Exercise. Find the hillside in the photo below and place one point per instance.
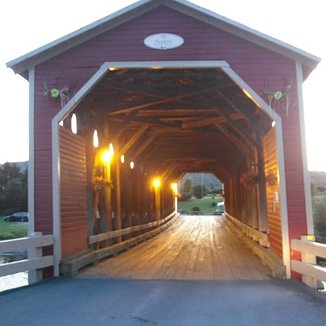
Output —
(319, 178)
(207, 179)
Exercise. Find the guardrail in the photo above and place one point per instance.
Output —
(71, 266)
(258, 243)
(252, 233)
(118, 233)
(312, 274)
(35, 262)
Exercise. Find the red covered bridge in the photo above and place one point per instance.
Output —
(159, 89)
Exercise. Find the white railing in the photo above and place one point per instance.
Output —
(312, 274)
(35, 262)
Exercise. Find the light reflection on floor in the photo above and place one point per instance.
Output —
(13, 281)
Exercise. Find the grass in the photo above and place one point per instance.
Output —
(12, 230)
(206, 205)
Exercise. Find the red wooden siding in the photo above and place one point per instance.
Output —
(254, 64)
(272, 188)
(73, 193)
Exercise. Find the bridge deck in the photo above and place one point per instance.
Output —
(193, 248)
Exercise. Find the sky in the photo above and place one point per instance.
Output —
(27, 25)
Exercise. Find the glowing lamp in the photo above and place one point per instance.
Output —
(156, 182)
(174, 187)
(122, 158)
(106, 156)
(132, 165)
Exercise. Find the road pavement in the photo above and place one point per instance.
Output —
(129, 302)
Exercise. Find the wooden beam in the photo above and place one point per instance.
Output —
(142, 147)
(207, 121)
(245, 115)
(242, 147)
(177, 113)
(240, 130)
(162, 101)
(134, 138)
(124, 126)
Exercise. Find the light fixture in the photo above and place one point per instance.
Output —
(108, 154)
(95, 139)
(74, 124)
(273, 123)
(156, 182)
(132, 165)
(174, 187)
(122, 158)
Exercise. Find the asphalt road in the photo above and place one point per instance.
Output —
(126, 302)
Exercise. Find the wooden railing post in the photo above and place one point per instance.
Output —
(309, 259)
(35, 275)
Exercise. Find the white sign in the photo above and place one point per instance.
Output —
(163, 41)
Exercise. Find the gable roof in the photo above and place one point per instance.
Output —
(50, 50)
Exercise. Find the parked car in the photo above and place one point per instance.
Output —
(219, 208)
(17, 217)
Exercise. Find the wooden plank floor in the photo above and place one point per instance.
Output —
(193, 248)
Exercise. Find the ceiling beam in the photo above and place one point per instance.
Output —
(163, 101)
(250, 119)
(241, 147)
(134, 139)
(134, 155)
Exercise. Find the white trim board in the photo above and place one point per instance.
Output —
(306, 175)
(68, 108)
(31, 188)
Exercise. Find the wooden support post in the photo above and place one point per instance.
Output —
(118, 200)
(108, 196)
(34, 276)
(309, 259)
(91, 211)
(129, 188)
(262, 197)
(107, 188)
(157, 203)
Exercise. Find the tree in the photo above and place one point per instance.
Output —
(199, 191)
(13, 188)
(319, 210)
(313, 188)
(186, 187)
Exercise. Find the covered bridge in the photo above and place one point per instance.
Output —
(156, 90)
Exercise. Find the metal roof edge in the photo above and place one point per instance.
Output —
(23, 63)
(18, 66)
(246, 32)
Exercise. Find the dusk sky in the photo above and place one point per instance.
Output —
(27, 25)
